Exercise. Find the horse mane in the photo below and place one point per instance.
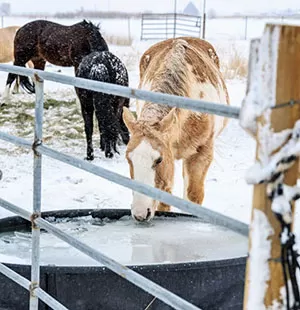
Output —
(97, 42)
(171, 76)
(90, 25)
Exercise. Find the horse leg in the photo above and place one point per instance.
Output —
(16, 89)
(6, 94)
(162, 206)
(16, 86)
(23, 80)
(108, 123)
(167, 187)
(87, 110)
(194, 172)
(124, 129)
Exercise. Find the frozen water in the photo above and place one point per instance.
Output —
(165, 240)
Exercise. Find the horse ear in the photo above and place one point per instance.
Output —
(128, 119)
(169, 120)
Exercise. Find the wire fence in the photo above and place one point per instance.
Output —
(39, 149)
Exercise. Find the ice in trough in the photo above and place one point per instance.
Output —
(165, 241)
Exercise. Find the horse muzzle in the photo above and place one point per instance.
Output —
(142, 216)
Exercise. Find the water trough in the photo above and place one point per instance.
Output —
(200, 262)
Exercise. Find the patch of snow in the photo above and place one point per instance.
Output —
(258, 260)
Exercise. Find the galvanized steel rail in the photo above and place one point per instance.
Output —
(37, 193)
(171, 100)
(39, 149)
(46, 298)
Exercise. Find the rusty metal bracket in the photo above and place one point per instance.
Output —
(38, 78)
(32, 287)
(36, 144)
(33, 217)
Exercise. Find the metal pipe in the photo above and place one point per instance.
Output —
(14, 209)
(47, 299)
(204, 19)
(171, 100)
(37, 192)
(50, 301)
(15, 140)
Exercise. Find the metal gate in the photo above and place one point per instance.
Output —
(165, 26)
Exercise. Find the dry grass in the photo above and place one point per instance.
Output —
(118, 40)
(234, 64)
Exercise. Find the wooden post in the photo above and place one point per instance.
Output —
(287, 82)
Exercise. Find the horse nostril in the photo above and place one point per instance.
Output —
(138, 218)
(148, 214)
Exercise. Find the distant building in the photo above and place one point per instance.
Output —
(191, 9)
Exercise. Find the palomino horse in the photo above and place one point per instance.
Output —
(186, 67)
(7, 36)
(104, 67)
(42, 40)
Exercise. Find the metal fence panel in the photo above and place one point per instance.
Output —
(39, 149)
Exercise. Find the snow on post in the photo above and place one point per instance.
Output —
(274, 72)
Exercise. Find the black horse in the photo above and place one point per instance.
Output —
(42, 40)
(104, 67)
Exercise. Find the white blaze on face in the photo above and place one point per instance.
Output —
(143, 157)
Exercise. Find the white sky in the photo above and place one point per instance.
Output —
(221, 6)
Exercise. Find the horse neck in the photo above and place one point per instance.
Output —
(153, 112)
(97, 43)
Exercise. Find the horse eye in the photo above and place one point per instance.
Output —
(158, 161)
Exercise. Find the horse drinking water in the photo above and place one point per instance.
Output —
(42, 40)
(186, 67)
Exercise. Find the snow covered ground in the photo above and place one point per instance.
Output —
(65, 187)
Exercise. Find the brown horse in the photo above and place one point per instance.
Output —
(186, 67)
(42, 40)
(7, 36)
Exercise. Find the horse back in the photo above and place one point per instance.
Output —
(186, 67)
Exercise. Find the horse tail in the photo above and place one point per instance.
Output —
(26, 85)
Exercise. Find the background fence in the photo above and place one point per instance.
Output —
(165, 26)
(222, 28)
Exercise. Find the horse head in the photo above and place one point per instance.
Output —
(150, 158)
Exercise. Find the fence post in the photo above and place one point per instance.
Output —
(246, 27)
(37, 186)
(282, 87)
(204, 26)
(175, 21)
(129, 28)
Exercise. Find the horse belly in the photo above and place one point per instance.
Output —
(56, 55)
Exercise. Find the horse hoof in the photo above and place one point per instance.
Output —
(89, 158)
(109, 155)
(125, 139)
